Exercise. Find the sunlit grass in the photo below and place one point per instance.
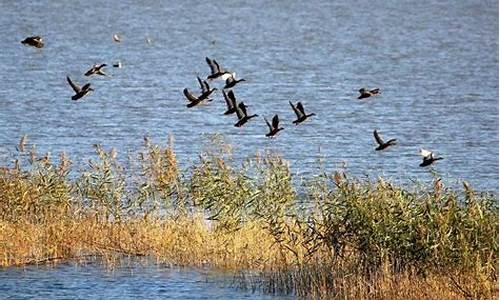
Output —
(332, 236)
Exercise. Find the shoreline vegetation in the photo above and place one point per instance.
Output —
(334, 236)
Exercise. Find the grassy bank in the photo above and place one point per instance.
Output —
(332, 236)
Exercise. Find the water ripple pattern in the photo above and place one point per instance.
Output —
(436, 63)
(133, 281)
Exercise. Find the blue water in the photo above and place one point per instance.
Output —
(436, 63)
(130, 281)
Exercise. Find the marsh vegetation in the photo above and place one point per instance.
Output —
(327, 235)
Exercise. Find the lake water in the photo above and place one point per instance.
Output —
(436, 63)
(130, 281)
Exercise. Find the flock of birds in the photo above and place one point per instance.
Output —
(233, 106)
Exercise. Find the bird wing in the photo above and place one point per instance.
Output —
(189, 95)
(243, 107)
(232, 99)
(297, 112)
(375, 91)
(301, 108)
(74, 86)
(241, 111)
(229, 104)
(379, 140)
(200, 82)
(425, 153)
(86, 87)
(268, 124)
(218, 68)
(213, 67)
(206, 86)
(276, 121)
(102, 66)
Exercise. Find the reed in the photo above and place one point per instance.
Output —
(331, 236)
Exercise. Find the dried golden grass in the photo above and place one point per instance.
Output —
(333, 237)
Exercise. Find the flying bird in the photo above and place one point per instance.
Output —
(195, 100)
(274, 126)
(206, 91)
(428, 158)
(381, 144)
(80, 92)
(299, 111)
(96, 70)
(243, 117)
(364, 93)
(230, 102)
(217, 71)
(34, 41)
(117, 38)
(232, 81)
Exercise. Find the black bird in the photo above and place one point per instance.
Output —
(381, 144)
(243, 117)
(274, 127)
(206, 91)
(203, 84)
(79, 91)
(231, 82)
(34, 41)
(299, 111)
(193, 100)
(428, 158)
(230, 102)
(216, 70)
(364, 93)
(96, 70)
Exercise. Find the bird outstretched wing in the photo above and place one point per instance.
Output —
(268, 124)
(297, 112)
(73, 85)
(301, 108)
(200, 82)
(218, 68)
(229, 102)
(276, 121)
(232, 99)
(378, 138)
(214, 68)
(189, 95)
(241, 110)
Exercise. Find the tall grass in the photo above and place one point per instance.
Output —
(332, 236)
